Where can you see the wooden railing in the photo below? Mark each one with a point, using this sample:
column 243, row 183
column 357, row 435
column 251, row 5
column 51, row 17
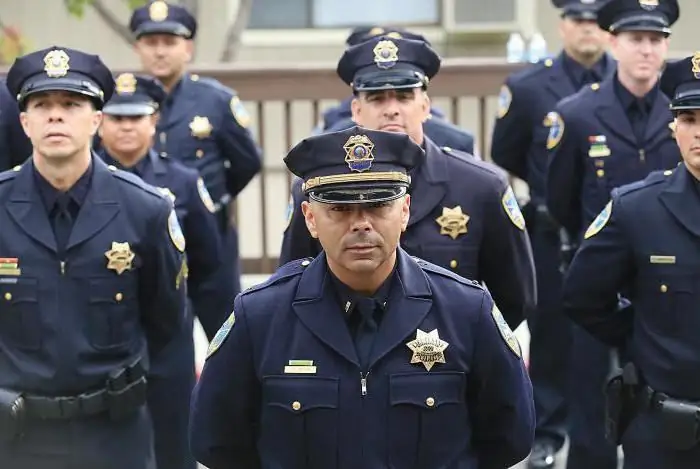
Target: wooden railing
column 286, row 103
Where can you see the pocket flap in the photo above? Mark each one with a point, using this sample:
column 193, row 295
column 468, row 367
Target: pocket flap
column 300, row 393
column 23, row 291
column 427, row 390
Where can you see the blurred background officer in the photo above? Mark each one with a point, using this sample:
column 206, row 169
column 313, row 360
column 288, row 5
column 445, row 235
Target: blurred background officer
column 603, row 137
column 645, row 242
column 91, row 266
column 127, row 133
column 440, row 131
column 435, row 377
column 464, row 217
column 202, row 123
column 15, row 147
column 519, row 146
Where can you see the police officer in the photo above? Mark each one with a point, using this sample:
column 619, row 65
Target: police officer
column 126, row 135
column 465, row 216
column 15, row 147
column 607, row 135
column 518, row 145
column 645, row 242
column 442, row 132
column 91, row 270
column 202, row 123
column 365, row 356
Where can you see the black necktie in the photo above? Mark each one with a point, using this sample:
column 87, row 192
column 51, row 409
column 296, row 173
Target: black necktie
column 638, row 118
column 62, row 221
column 366, row 330
column 589, row 76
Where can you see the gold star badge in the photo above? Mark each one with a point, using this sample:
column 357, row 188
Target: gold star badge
column 200, row 127
column 453, row 222
column 119, row 257
column 427, row 348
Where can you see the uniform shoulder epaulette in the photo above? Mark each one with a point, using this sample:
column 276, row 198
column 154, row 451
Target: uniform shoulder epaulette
column 212, row 83
column 436, row 269
column 9, row 174
column 533, row 70
column 135, row 181
column 483, row 166
column 290, row 269
column 653, row 178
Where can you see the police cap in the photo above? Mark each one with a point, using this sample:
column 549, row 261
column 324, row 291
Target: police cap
column 617, row 16
column 356, row 165
column 363, row 33
column 680, row 81
column 578, row 9
column 163, row 18
column 135, row 95
column 60, row 69
column 383, row 62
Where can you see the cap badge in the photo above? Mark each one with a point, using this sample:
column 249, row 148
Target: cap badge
column 386, row 54
column 376, row 31
column 56, row 63
column 358, row 153
column 696, row 65
column 158, row 11
column 649, row 4
column 588, row 2
column 126, row 83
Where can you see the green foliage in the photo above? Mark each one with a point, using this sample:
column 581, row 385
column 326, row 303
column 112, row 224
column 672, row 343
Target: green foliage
column 77, row 7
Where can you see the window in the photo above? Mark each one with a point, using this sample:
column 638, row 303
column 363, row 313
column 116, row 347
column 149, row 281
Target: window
column 268, row 14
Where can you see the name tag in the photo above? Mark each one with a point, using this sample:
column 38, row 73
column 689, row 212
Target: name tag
column 308, row 370
column 662, row 259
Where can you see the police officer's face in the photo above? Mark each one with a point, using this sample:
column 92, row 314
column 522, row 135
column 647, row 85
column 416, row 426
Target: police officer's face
column 60, row 124
column 164, row 55
column 582, row 37
column 687, row 131
column 401, row 111
column 127, row 135
column 640, row 54
column 359, row 239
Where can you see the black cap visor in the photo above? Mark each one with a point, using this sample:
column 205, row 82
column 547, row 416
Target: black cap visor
column 579, row 14
column 73, row 82
column 392, row 79
column 687, row 97
column 163, row 27
column 647, row 23
column 358, row 194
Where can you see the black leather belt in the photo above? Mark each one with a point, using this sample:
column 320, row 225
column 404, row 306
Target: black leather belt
column 67, row 407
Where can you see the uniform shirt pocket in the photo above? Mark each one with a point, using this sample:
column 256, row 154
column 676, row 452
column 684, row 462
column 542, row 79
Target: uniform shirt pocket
column 20, row 316
column 428, row 421
column 672, row 298
column 458, row 257
column 299, row 421
column 113, row 312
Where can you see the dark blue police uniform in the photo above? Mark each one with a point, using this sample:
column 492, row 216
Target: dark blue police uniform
column 172, row 375
column 91, row 287
column 464, row 215
column 645, row 242
column 599, row 139
column 204, row 125
column 519, row 146
column 437, row 382
column 442, row 132
column 15, row 147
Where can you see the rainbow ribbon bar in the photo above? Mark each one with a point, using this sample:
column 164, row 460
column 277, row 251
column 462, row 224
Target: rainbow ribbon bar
column 9, row 266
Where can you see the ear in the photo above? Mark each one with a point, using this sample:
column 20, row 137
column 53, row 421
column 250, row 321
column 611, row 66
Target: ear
column 96, row 121
column 154, row 122
column 190, row 49
column 25, row 122
column 426, row 105
column 405, row 212
column 308, row 212
column 355, row 107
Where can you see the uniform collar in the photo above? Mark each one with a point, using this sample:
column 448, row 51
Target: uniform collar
column 348, row 297
column 628, row 100
column 138, row 169
column 50, row 195
column 578, row 73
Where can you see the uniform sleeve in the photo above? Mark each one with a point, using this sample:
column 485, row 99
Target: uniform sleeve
column 564, row 177
column 204, row 258
column 600, row 270
column 238, row 146
column 297, row 243
column 512, row 133
column 162, row 291
column 226, row 400
column 15, row 146
column 507, row 265
column 499, row 393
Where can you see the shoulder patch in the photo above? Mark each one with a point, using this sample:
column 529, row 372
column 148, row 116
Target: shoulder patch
column 510, row 205
column 175, row 231
column 290, row 212
column 600, row 221
column 556, row 129
column 221, row 334
column 506, row 333
column 505, row 97
column 239, row 112
column 436, row 269
column 204, row 195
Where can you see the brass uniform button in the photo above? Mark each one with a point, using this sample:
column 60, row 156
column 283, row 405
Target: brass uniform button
column 199, row 153
column 8, row 296
column 453, row 264
column 119, row 297
column 296, row 405
column 600, row 173
column 430, row 402
column 663, row 288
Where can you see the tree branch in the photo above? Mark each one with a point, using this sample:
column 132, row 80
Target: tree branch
column 232, row 42
column 112, row 21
